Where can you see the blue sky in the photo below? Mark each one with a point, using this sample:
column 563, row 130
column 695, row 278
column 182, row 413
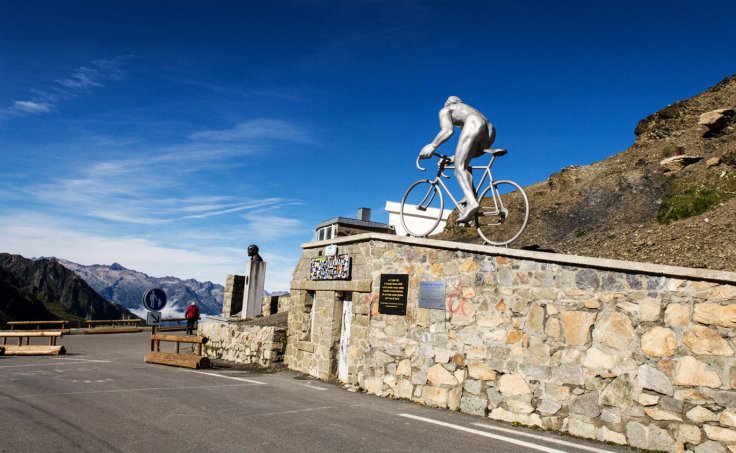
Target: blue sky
column 167, row 136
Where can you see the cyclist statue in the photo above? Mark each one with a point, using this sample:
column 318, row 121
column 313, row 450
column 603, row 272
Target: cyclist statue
column 477, row 135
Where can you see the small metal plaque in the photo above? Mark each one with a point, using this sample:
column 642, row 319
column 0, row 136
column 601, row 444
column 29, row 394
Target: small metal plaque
column 432, row 295
column 393, row 293
column 331, row 250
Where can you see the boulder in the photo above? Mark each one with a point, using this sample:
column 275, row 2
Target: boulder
column 677, row 163
column 716, row 120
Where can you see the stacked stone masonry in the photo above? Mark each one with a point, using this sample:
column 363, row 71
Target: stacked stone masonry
column 275, row 304
column 638, row 357
column 241, row 343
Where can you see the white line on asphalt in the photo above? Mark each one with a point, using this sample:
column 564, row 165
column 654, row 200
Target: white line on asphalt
column 546, row 439
column 313, row 387
column 228, row 377
column 292, row 412
column 83, row 360
column 484, row 434
column 149, row 389
column 38, row 364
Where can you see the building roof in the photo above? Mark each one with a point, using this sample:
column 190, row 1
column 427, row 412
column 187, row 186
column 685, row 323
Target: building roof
column 352, row 222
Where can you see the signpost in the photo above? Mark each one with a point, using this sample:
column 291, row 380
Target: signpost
column 153, row 318
column 154, row 299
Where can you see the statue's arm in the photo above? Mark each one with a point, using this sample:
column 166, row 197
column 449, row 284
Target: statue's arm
column 446, row 130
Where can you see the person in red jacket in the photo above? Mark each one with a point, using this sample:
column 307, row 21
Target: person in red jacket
column 192, row 315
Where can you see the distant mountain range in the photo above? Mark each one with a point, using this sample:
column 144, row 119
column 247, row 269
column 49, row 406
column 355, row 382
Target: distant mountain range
column 126, row 288
column 43, row 289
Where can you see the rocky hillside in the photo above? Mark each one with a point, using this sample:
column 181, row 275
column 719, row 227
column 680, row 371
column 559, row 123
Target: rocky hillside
column 44, row 289
column 126, row 287
column 669, row 199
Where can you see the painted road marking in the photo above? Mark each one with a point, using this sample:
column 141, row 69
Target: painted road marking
column 296, row 411
column 38, row 364
column 228, row 377
column 546, row 439
column 310, row 386
column 83, row 360
column 145, row 389
column 509, row 440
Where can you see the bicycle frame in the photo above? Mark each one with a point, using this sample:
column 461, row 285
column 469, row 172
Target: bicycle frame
column 443, row 165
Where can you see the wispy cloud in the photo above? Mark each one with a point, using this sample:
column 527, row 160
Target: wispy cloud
column 257, row 129
column 267, row 227
column 30, row 107
column 81, row 80
column 35, row 235
column 42, row 235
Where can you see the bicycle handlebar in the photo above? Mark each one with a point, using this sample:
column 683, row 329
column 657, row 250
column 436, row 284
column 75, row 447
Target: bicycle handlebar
column 441, row 156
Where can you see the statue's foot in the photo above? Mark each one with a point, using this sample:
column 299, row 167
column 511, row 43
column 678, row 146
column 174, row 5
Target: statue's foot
column 468, row 213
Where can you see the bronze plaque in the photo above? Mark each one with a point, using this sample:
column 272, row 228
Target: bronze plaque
column 393, row 293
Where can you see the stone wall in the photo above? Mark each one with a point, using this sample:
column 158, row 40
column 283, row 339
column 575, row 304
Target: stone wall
column 315, row 312
column 242, row 343
column 282, row 304
column 617, row 351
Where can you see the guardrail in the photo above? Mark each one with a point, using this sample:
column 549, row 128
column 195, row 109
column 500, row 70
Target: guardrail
column 177, row 359
column 20, row 325
column 112, row 326
column 29, row 349
column 178, row 326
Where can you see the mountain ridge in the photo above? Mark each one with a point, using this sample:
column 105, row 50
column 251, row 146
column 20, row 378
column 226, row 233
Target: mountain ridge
column 127, row 286
column 41, row 289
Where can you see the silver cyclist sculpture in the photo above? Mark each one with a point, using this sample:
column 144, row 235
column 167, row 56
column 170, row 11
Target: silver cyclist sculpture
column 501, row 211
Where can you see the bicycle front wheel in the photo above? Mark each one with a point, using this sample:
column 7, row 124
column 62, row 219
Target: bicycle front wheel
column 503, row 214
column 421, row 208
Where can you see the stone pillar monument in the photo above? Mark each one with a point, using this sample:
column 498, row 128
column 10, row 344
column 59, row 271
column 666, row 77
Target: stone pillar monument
column 232, row 302
column 255, row 279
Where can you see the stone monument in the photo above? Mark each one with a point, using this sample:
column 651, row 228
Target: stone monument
column 255, row 278
column 477, row 135
column 232, row 301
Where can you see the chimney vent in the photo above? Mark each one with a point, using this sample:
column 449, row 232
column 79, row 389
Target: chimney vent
column 364, row 214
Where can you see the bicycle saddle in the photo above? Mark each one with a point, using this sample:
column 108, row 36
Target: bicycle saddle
column 497, row 152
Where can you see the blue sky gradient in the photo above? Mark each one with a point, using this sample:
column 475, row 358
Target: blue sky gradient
column 167, row 136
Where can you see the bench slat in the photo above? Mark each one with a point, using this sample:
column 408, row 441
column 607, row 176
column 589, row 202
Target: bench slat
column 30, row 333
column 34, row 350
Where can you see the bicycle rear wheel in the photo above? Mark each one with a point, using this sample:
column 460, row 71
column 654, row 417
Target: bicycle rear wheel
column 503, row 214
column 421, row 208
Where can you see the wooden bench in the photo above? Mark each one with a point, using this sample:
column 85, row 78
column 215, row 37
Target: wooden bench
column 52, row 325
column 29, row 349
column 112, row 326
column 177, row 359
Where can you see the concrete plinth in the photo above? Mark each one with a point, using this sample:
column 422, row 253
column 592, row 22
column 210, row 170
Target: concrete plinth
column 255, row 278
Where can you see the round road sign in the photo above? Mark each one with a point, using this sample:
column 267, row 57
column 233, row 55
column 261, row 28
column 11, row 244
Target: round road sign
column 154, row 299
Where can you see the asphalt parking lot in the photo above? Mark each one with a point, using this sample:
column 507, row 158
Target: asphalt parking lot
column 101, row 396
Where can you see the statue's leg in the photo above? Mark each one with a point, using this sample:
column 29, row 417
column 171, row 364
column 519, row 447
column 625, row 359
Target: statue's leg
column 470, row 139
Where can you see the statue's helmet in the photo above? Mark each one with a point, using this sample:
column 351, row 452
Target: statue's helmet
column 453, row 100
column 252, row 249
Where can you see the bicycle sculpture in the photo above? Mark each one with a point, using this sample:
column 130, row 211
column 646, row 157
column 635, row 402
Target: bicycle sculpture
column 501, row 211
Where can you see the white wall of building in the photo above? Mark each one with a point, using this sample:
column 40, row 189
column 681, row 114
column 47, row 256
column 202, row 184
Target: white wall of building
column 414, row 217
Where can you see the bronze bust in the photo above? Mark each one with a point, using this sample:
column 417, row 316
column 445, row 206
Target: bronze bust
column 253, row 253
